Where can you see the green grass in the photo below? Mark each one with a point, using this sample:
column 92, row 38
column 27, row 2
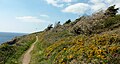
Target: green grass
column 94, row 49
column 10, row 54
column 64, row 48
column 60, row 46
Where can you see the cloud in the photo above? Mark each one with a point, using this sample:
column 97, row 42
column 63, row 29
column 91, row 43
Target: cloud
column 30, row 19
column 103, row 4
column 91, row 6
column 96, row 1
column 79, row 8
column 59, row 3
column 99, row 4
column 54, row 3
column 96, row 7
column 44, row 15
column 67, row 0
column 26, row 17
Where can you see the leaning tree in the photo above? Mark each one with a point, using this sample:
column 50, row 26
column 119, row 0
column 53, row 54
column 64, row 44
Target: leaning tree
column 111, row 11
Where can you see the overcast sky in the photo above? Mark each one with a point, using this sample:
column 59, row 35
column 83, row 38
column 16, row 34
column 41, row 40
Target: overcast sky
column 27, row 16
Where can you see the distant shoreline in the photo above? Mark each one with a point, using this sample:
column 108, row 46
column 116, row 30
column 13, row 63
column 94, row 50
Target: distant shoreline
column 7, row 36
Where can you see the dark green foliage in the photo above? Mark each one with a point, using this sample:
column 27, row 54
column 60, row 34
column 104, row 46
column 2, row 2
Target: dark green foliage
column 68, row 21
column 110, row 22
column 5, row 52
column 49, row 27
column 111, row 11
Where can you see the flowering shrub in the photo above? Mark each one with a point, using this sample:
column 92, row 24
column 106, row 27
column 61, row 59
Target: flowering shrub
column 83, row 49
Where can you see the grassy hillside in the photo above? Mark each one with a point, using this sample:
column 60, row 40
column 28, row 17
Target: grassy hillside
column 10, row 54
column 89, row 39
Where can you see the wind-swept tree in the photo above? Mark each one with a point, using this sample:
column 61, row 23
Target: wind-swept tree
column 111, row 11
column 49, row 27
column 68, row 21
column 57, row 24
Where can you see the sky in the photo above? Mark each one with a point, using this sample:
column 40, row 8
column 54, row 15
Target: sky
column 28, row 16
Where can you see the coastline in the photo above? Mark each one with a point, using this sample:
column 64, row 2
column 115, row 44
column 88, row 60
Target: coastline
column 9, row 36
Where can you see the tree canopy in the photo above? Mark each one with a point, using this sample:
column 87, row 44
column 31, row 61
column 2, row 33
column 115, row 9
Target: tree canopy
column 111, row 11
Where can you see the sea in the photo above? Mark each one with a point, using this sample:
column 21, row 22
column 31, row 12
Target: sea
column 7, row 36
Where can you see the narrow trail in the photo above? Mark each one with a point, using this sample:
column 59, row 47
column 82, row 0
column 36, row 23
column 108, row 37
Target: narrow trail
column 27, row 56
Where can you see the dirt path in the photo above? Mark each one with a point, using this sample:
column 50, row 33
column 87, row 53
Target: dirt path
column 27, row 56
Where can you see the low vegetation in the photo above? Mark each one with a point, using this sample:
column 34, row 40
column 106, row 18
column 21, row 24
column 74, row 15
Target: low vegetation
column 10, row 54
column 87, row 40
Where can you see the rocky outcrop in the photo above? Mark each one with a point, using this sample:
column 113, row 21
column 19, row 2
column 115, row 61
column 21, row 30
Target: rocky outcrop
column 13, row 41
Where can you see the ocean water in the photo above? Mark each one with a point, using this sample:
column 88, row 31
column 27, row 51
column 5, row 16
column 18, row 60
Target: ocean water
column 6, row 36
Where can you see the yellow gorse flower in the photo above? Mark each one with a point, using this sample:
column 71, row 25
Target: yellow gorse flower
column 63, row 62
column 70, row 56
column 64, row 49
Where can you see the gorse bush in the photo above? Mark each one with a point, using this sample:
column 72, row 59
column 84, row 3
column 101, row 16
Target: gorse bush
column 88, row 40
column 111, row 21
column 98, row 49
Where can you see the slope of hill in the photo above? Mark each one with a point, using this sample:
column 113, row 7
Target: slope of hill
column 10, row 52
column 91, row 39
